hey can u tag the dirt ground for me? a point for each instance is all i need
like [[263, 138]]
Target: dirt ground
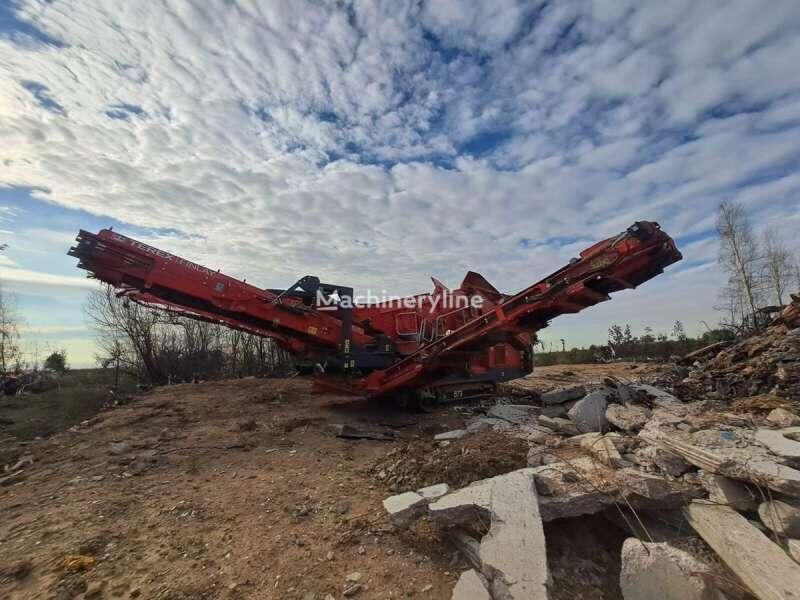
[[240, 489]]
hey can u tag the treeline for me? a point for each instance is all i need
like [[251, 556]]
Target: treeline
[[622, 344], [761, 270], [160, 347]]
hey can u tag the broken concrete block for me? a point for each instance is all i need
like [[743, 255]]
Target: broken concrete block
[[536, 455], [558, 424], [513, 552], [761, 565], [663, 460], [580, 486], [650, 491], [662, 571], [469, 547], [602, 448], [792, 548], [589, 413], [514, 413], [757, 470], [723, 490], [781, 517], [557, 410], [470, 586], [455, 434], [627, 418], [434, 492], [562, 395], [780, 417], [536, 434], [778, 442], [405, 508], [485, 423], [656, 396]]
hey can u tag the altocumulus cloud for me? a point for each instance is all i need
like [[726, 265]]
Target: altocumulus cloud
[[378, 142]]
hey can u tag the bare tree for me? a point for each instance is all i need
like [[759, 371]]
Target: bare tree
[[162, 346], [796, 271], [10, 353], [777, 266], [118, 321], [740, 257]]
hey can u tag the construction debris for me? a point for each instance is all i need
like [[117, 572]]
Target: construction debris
[[780, 441], [562, 395], [405, 508], [662, 571], [589, 413], [761, 565], [455, 434], [627, 417], [471, 586], [512, 554], [722, 490], [765, 363], [517, 414], [782, 517], [780, 417]]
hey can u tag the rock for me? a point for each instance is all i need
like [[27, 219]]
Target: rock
[[353, 577], [662, 571], [589, 413], [627, 418], [118, 448], [562, 395], [434, 492], [455, 434], [781, 417], [781, 517], [558, 424], [351, 590], [405, 508], [778, 442], [344, 430], [484, 423], [24, 461], [470, 586], [723, 490], [514, 413], [513, 552]]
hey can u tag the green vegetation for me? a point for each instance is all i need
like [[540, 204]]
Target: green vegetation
[[623, 345], [77, 395], [57, 361]]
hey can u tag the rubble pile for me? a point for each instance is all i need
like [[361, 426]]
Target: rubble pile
[[727, 481], [765, 363]]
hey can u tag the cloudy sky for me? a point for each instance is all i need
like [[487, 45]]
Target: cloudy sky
[[378, 143]]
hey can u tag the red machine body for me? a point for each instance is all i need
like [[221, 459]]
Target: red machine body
[[429, 347]]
